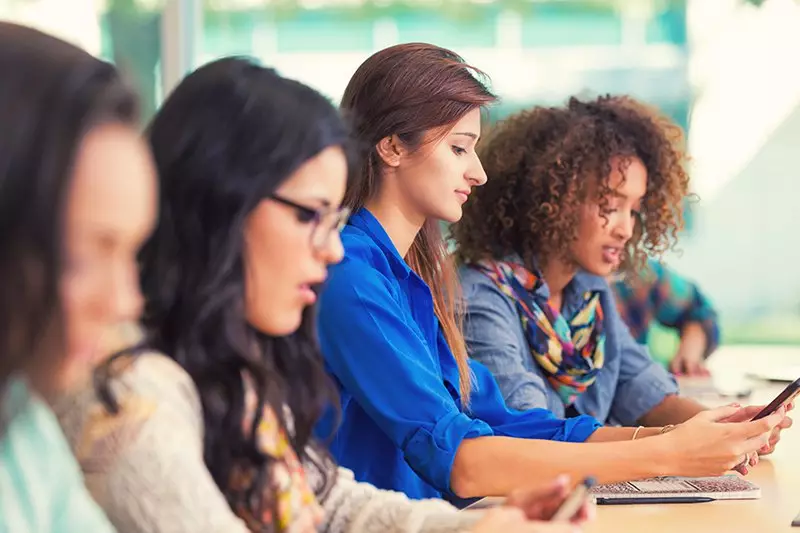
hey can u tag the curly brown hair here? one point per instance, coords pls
(545, 163)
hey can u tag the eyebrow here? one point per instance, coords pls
(469, 134)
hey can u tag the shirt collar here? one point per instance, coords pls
(582, 282)
(366, 222)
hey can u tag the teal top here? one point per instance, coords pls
(41, 487)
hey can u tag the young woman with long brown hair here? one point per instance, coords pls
(419, 416)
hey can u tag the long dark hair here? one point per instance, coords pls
(226, 138)
(408, 90)
(51, 95)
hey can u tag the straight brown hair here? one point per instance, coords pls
(408, 90)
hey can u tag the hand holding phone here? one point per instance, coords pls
(784, 398)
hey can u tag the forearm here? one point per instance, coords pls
(693, 339)
(616, 434)
(494, 466)
(673, 409)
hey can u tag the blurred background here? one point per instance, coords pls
(725, 70)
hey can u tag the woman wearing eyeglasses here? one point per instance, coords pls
(209, 429)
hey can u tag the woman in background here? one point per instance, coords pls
(77, 198)
(418, 415)
(659, 295)
(210, 430)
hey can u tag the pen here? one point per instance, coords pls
(651, 501)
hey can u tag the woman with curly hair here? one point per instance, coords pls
(418, 415)
(575, 193)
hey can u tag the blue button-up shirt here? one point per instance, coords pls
(402, 415)
(629, 385)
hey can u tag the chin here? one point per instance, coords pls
(451, 216)
(282, 324)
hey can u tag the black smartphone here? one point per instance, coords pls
(785, 397)
(573, 503)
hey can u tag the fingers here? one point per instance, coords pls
(786, 423)
(586, 514)
(676, 366)
(538, 500)
(755, 428)
(718, 414)
(695, 368)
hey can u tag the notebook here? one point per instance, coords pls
(729, 487)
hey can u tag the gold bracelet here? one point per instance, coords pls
(636, 432)
(666, 429)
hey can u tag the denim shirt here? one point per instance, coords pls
(403, 418)
(629, 386)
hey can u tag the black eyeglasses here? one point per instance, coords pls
(325, 220)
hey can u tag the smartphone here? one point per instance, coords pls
(789, 393)
(573, 503)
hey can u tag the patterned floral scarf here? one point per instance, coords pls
(291, 498)
(570, 353)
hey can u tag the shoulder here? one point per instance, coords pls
(363, 270)
(32, 427)
(478, 289)
(362, 255)
(154, 395)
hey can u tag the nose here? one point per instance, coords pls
(125, 297)
(475, 173)
(333, 250)
(625, 226)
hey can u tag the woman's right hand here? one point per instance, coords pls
(706, 445)
(513, 520)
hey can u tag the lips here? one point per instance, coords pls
(463, 195)
(612, 254)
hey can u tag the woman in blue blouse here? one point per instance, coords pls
(576, 193)
(419, 416)
(77, 197)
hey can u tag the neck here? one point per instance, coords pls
(401, 224)
(557, 275)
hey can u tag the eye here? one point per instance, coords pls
(458, 150)
(306, 215)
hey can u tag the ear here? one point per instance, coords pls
(390, 150)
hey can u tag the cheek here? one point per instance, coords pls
(273, 305)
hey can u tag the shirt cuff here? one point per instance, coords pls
(579, 428)
(640, 395)
(431, 453)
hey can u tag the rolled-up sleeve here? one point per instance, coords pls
(494, 338)
(642, 384)
(390, 371)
